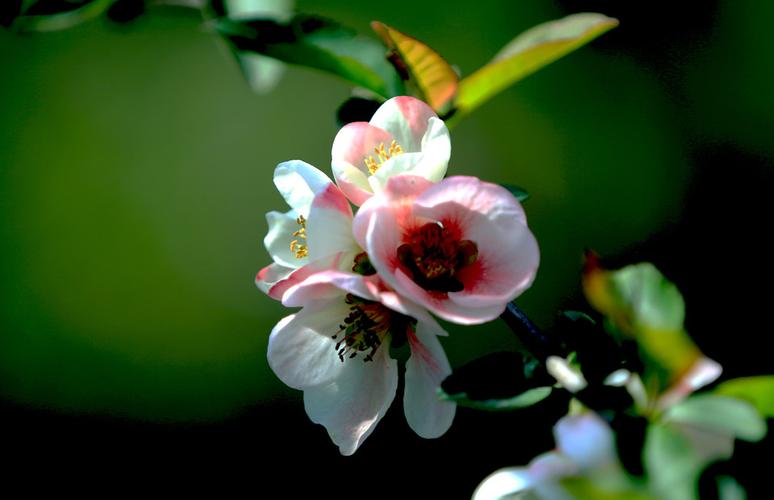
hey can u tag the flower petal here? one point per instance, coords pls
(278, 238)
(336, 261)
(352, 181)
(327, 283)
(301, 351)
(504, 483)
(353, 144)
(298, 182)
(586, 440)
(406, 118)
(352, 405)
(329, 225)
(270, 275)
(426, 413)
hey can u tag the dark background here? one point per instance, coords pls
(135, 169)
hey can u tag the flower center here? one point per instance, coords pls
(366, 327)
(434, 256)
(296, 246)
(382, 155)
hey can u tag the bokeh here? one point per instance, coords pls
(135, 172)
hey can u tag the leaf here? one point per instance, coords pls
(520, 194)
(316, 43)
(498, 381)
(261, 72)
(527, 53)
(39, 17)
(673, 466)
(720, 414)
(435, 80)
(642, 304)
(759, 391)
(523, 400)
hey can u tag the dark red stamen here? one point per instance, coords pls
(434, 256)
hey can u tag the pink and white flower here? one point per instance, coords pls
(585, 445)
(403, 137)
(315, 234)
(461, 248)
(337, 350)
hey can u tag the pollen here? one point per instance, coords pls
(382, 155)
(297, 246)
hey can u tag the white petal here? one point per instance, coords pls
(436, 150)
(406, 118)
(397, 165)
(277, 240)
(352, 405)
(298, 182)
(504, 484)
(301, 351)
(586, 440)
(426, 413)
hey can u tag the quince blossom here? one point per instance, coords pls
(585, 446)
(337, 350)
(404, 136)
(461, 248)
(315, 234)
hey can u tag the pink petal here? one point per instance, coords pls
(329, 225)
(271, 275)
(406, 119)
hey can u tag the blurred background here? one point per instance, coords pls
(135, 172)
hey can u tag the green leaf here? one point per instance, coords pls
(642, 304)
(759, 391)
(62, 19)
(527, 53)
(261, 72)
(316, 43)
(730, 489)
(720, 414)
(519, 193)
(672, 464)
(523, 400)
(604, 489)
(434, 79)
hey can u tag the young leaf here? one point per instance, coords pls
(721, 415)
(498, 381)
(759, 391)
(523, 400)
(316, 43)
(520, 194)
(261, 72)
(435, 80)
(640, 302)
(527, 53)
(40, 17)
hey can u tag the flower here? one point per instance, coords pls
(315, 234)
(461, 247)
(585, 446)
(403, 136)
(337, 350)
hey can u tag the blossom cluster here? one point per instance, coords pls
(419, 246)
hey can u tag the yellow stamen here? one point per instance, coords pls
(382, 155)
(298, 248)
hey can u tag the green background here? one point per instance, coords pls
(136, 164)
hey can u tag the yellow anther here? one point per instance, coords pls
(382, 155)
(298, 248)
